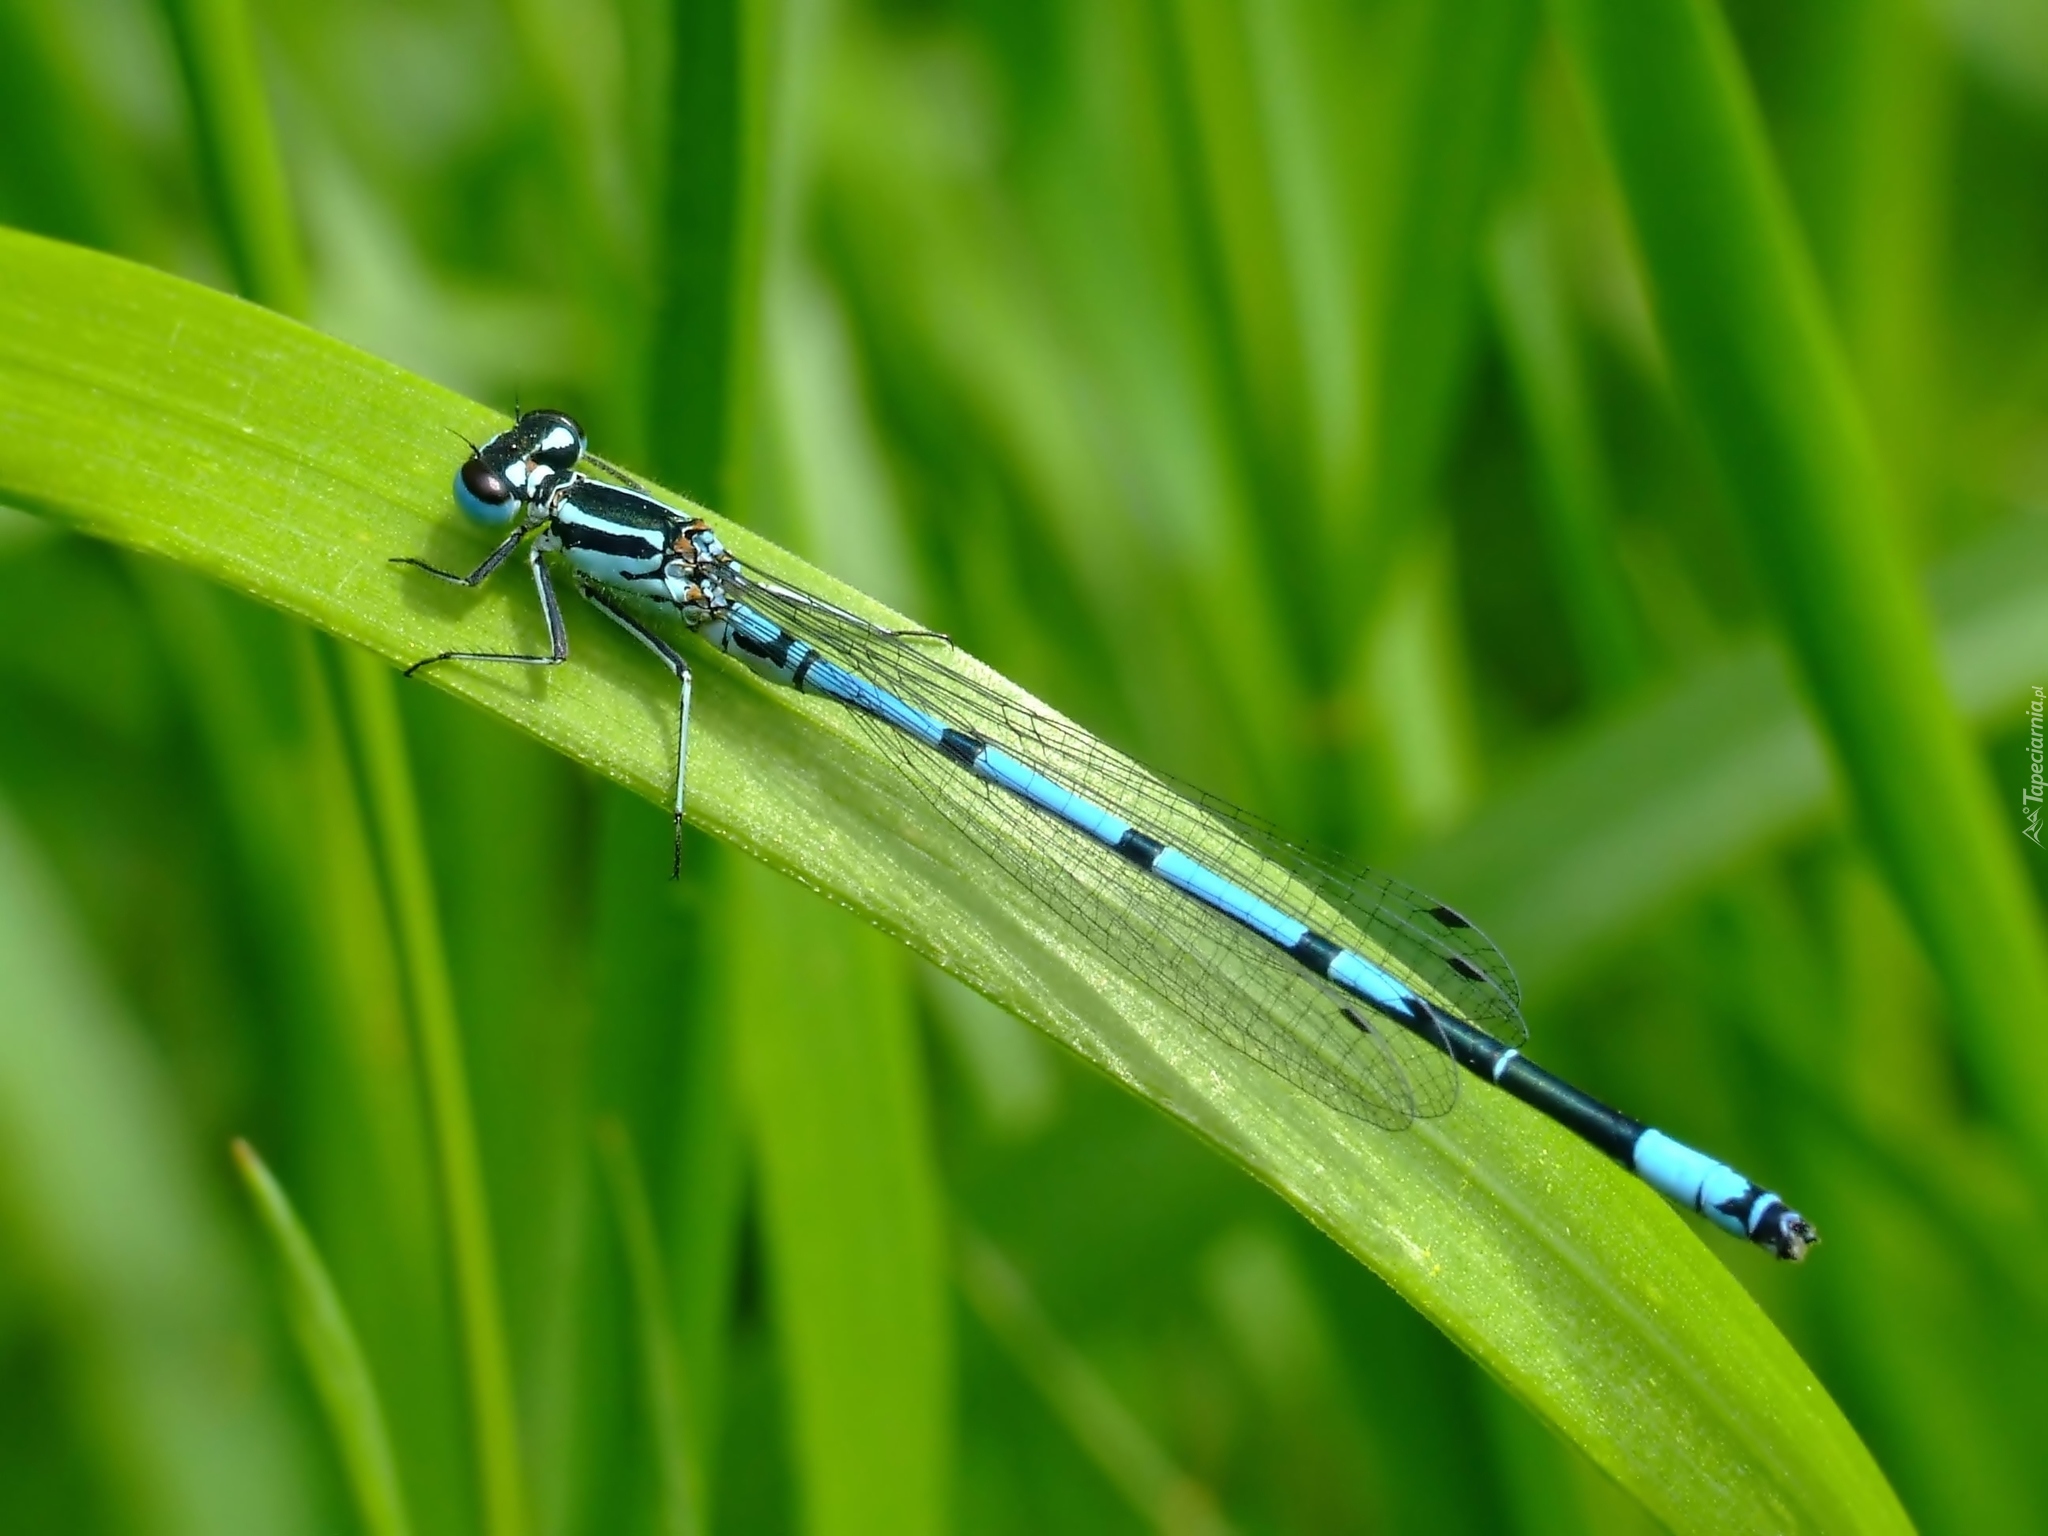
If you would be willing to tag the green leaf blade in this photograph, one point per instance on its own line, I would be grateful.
(169, 418)
(334, 1359)
(851, 1208)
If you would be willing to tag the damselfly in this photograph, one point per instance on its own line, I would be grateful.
(1356, 989)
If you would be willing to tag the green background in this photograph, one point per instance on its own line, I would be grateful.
(1586, 459)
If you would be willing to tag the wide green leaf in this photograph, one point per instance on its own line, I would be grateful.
(173, 420)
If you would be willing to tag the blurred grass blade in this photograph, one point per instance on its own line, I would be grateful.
(319, 944)
(1629, 817)
(1750, 348)
(1227, 129)
(373, 1163)
(333, 1358)
(665, 1072)
(1469, 65)
(829, 1062)
(1466, 65)
(20, 533)
(1579, 525)
(695, 366)
(1172, 1502)
(1876, 174)
(167, 417)
(109, 1227)
(238, 150)
(661, 1367)
(70, 185)
(465, 1201)
(578, 136)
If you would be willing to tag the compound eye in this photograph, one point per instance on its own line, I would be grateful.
(482, 493)
(558, 441)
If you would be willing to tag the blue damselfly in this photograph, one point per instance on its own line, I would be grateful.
(1356, 989)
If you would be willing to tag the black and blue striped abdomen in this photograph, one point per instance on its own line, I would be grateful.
(1386, 1081)
(774, 652)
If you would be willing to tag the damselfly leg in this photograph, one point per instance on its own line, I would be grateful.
(550, 606)
(673, 659)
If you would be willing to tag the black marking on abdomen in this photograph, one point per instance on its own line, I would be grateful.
(1500, 1063)
(1316, 952)
(1141, 850)
(1742, 1207)
(1600, 1124)
(1768, 1218)
(774, 650)
(964, 748)
(803, 667)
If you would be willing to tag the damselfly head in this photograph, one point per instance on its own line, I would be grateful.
(550, 439)
(517, 464)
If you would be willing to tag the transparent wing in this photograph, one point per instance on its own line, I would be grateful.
(1239, 988)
